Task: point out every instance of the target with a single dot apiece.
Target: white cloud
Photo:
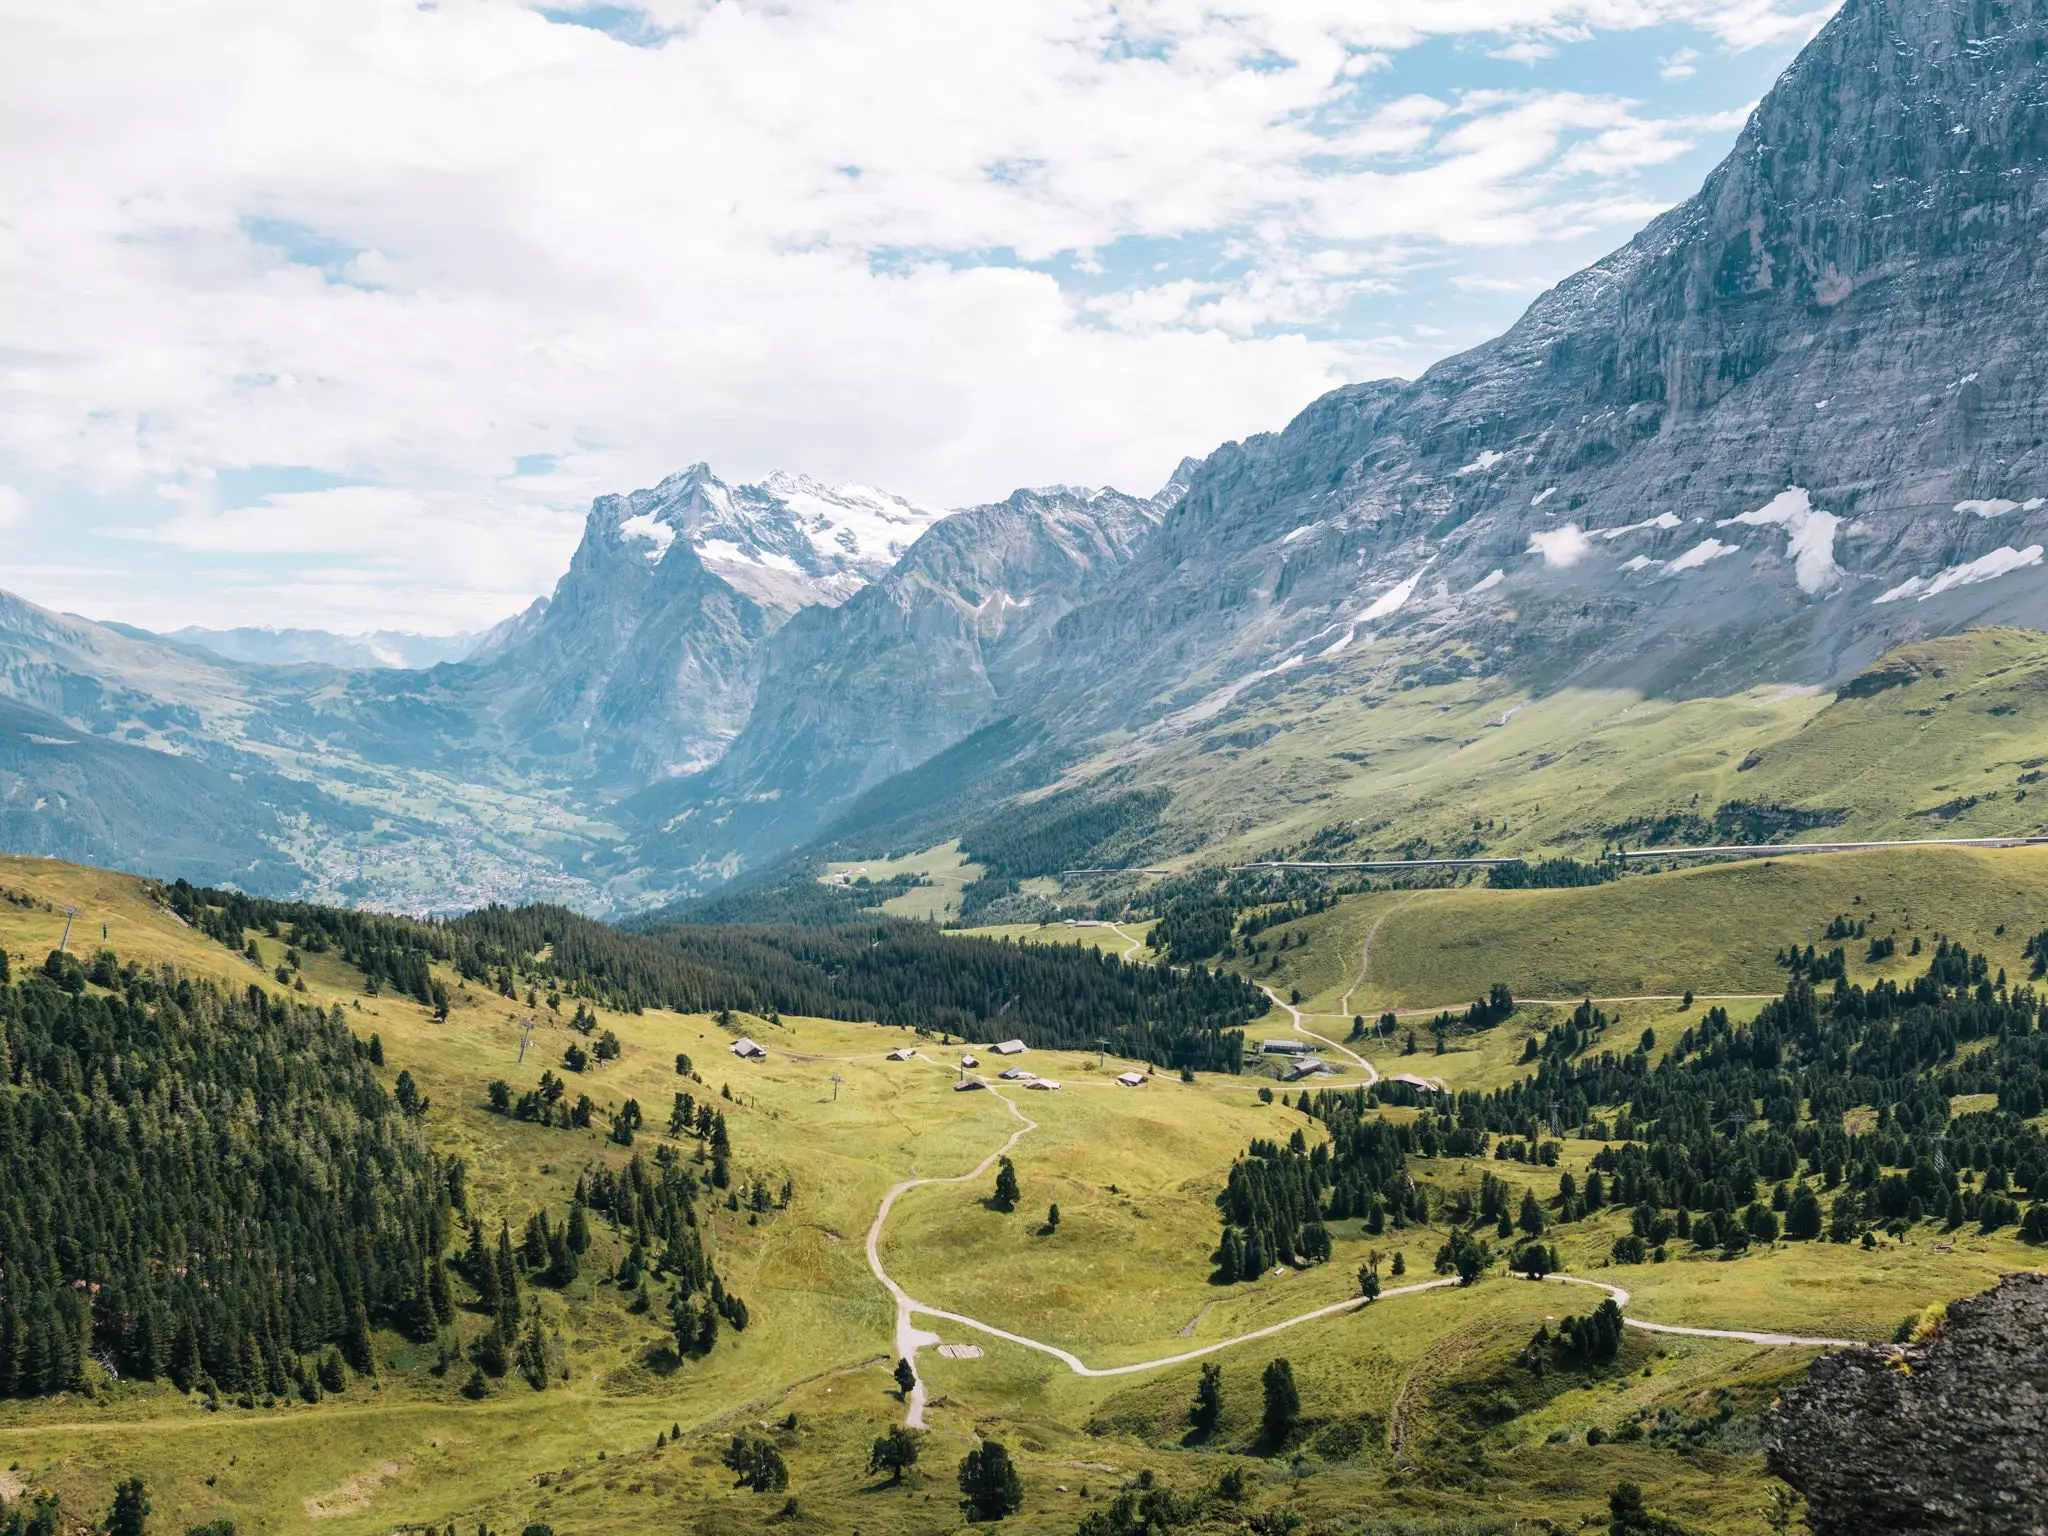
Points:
(13, 506)
(407, 245)
(1561, 548)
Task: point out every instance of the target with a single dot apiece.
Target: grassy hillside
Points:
(1396, 1399)
(1713, 930)
(1942, 738)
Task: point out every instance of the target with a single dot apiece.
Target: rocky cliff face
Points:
(1944, 1436)
(1795, 421)
(910, 665)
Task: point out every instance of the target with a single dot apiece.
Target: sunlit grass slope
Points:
(1124, 1277)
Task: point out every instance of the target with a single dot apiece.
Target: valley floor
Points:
(1122, 1283)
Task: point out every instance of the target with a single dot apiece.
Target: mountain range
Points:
(1794, 424)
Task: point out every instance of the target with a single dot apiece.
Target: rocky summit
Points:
(1794, 422)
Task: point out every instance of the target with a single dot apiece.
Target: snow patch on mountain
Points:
(1487, 582)
(1990, 506)
(1809, 534)
(1999, 562)
(1392, 600)
(1661, 520)
(1699, 555)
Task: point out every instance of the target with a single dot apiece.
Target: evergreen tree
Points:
(989, 1483)
(1282, 1404)
(906, 1378)
(756, 1463)
(130, 1514)
(1007, 1192)
(1207, 1412)
(895, 1452)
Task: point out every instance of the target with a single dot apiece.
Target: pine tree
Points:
(440, 1294)
(989, 1482)
(1282, 1407)
(1007, 1191)
(1207, 1412)
(130, 1514)
(895, 1452)
(906, 1378)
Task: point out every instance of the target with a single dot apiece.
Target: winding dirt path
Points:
(910, 1338)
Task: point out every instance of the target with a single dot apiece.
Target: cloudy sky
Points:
(338, 315)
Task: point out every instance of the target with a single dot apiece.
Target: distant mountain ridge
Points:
(395, 648)
(1795, 423)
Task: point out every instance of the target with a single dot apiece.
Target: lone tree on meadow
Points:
(1007, 1191)
(757, 1464)
(1208, 1410)
(894, 1453)
(130, 1514)
(1052, 1217)
(906, 1378)
(989, 1483)
(1283, 1403)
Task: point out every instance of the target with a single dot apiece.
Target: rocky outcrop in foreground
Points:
(1943, 1436)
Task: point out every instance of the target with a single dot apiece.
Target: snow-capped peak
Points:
(786, 540)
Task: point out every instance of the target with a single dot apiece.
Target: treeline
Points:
(1044, 837)
(1739, 1136)
(1205, 914)
(1735, 821)
(204, 1186)
(1551, 874)
(394, 952)
(1278, 1198)
(1047, 995)
(891, 972)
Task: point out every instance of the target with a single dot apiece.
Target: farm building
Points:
(1044, 1085)
(1284, 1048)
(902, 1053)
(1010, 1048)
(967, 1083)
(1013, 1073)
(969, 1061)
(1307, 1066)
(748, 1050)
(1131, 1079)
(1420, 1084)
